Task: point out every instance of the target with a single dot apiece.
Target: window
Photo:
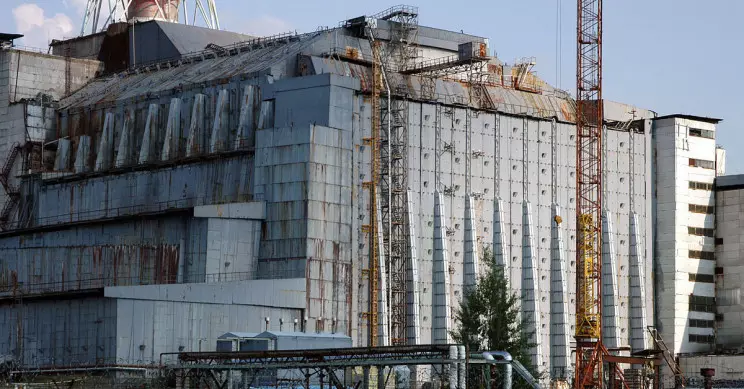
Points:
(702, 304)
(702, 133)
(696, 323)
(702, 338)
(700, 185)
(697, 231)
(706, 209)
(697, 277)
(705, 164)
(709, 255)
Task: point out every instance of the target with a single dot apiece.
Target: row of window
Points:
(702, 304)
(697, 231)
(697, 277)
(695, 254)
(709, 339)
(700, 185)
(699, 323)
(705, 164)
(702, 133)
(706, 209)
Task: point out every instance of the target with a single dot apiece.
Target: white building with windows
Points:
(686, 165)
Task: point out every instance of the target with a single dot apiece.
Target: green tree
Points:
(489, 318)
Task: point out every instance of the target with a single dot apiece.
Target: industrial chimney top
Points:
(144, 10)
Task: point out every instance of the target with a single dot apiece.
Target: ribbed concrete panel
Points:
(145, 329)
(246, 135)
(195, 143)
(530, 292)
(155, 190)
(59, 333)
(499, 236)
(638, 320)
(82, 154)
(442, 317)
(218, 139)
(560, 328)
(266, 116)
(610, 319)
(105, 144)
(172, 143)
(470, 262)
(232, 248)
(126, 143)
(128, 253)
(62, 159)
(147, 149)
(413, 331)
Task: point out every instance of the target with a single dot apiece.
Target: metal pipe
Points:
(452, 371)
(501, 357)
(85, 369)
(461, 381)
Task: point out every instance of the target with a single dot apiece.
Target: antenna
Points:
(99, 14)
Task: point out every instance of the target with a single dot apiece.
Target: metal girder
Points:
(98, 14)
(322, 358)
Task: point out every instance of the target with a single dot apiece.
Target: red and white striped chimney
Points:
(144, 10)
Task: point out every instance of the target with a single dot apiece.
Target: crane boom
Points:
(589, 120)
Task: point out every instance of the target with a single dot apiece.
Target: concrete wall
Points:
(728, 367)
(127, 253)
(183, 186)
(30, 74)
(24, 114)
(513, 159)
(303, 172)
(675, 147)
(729, 265)
(157, 319)
(59, 332)
(134, 325)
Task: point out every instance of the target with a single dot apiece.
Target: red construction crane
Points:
(589, 118)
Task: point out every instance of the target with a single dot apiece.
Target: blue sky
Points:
(670, 56)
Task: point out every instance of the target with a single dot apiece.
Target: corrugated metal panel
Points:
(134, 253)
(184, 186)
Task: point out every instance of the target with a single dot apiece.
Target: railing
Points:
(396, 10)
(29, 49)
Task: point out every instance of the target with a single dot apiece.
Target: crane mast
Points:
(589, 119)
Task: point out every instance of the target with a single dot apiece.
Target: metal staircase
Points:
(679, 376)
(13, 192)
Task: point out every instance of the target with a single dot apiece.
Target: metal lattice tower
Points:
(373, 270)
(400, 52)
(589, 120)
(99, 14)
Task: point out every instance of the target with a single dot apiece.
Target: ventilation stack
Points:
(144, 10)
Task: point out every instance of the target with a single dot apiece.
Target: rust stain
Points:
(308, 289)
(567, 112)
(349, 292)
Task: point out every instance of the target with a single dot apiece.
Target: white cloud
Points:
(262, 26)
(37, 28)
(78, 5)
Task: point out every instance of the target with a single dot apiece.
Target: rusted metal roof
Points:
(199, 69)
